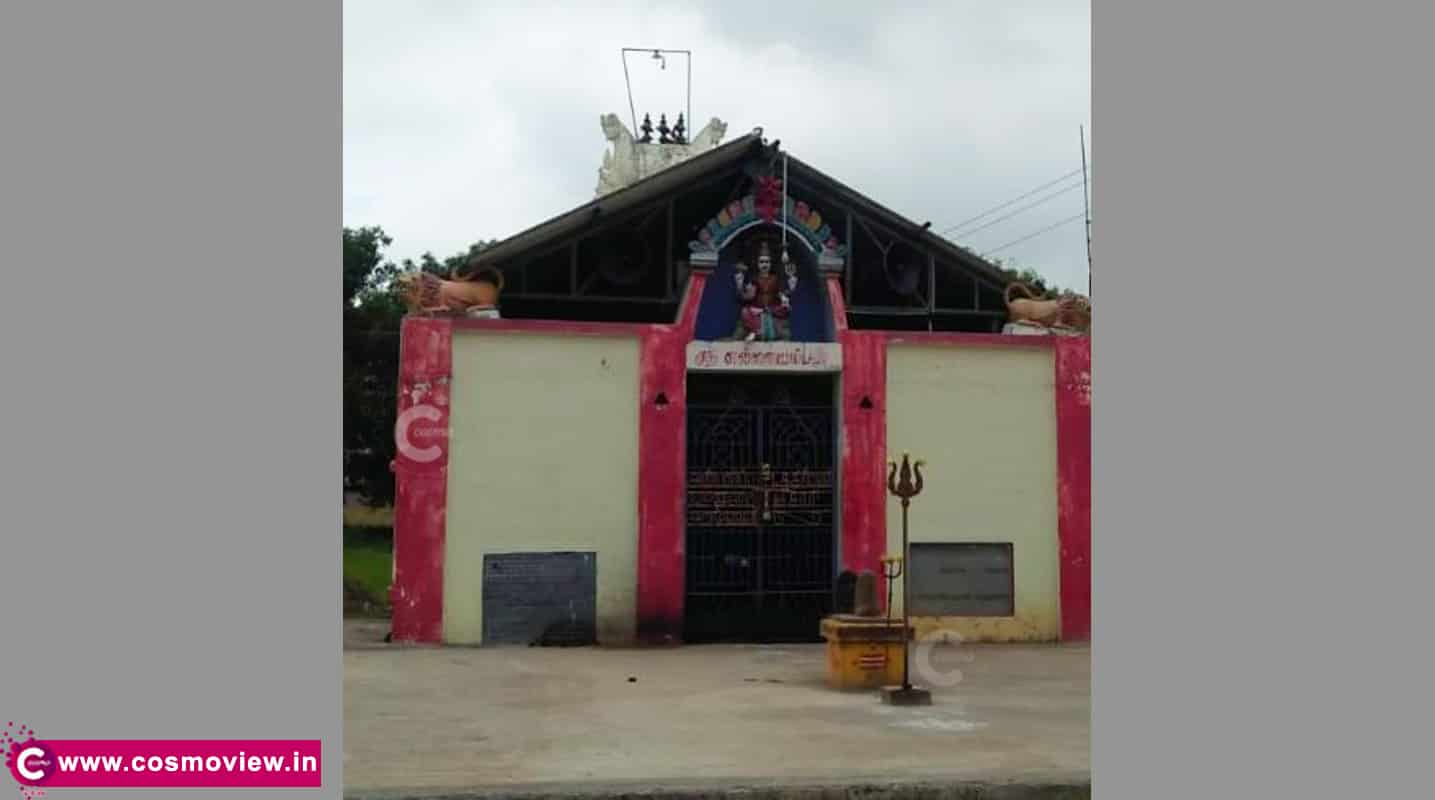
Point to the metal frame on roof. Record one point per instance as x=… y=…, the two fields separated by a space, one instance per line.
x=548 y=233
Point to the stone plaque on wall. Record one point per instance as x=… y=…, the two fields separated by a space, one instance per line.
x=539 y=598
x=962 y=579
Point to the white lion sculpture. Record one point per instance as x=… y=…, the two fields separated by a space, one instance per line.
x=629 y=161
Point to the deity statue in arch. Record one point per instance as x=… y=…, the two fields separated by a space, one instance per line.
x=765 y=299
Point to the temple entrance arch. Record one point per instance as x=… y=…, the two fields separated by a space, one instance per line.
x=734 y=244
x=763 y=369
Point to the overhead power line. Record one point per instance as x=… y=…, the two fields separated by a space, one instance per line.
x=1027 y=207
x=1008 y=203
x=1086 y=204
x=1048 y=228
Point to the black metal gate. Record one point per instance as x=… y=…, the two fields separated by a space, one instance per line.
x=760 y=507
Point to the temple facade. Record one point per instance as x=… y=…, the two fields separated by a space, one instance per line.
x=677 y=423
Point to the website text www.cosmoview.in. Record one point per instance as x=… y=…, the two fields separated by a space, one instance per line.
x=156 y=763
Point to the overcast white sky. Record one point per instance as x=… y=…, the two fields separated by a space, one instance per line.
x=475 y=120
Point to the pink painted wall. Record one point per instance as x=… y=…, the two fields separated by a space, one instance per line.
x=1073 y=457
x=421 y=480
x=662 y=470
x=864 y=441
x=864 y=450
x=417 y=593
x=421 y=485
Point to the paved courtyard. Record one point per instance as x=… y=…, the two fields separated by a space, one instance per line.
x=419 y=718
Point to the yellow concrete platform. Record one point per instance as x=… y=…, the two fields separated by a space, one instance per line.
x=862 y=652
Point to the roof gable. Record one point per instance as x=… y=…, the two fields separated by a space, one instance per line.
x=631 y=246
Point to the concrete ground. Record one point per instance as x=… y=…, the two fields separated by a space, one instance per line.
x=699 y=720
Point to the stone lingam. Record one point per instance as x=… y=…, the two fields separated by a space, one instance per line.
x=864 y=648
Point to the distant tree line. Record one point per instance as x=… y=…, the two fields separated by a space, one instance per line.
x=372 y=313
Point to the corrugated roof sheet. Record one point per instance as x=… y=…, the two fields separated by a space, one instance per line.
x=674 y=178
x=645 y=190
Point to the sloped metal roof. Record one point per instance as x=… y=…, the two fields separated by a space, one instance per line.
x=677 y=177
x=803 y=171
x=637 y=194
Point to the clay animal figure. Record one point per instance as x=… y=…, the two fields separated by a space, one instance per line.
x=424 y=292
x=1068 y=311
x=1077 y=314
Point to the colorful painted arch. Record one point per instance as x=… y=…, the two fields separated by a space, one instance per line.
x=739 y=215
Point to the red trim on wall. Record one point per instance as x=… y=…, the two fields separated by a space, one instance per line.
x=421 y=483
x=1073 y=461
x=551 y=326
x=971 y=339
x=864 y=451
x=662 y=468
x=421 y=479
x=864 y=442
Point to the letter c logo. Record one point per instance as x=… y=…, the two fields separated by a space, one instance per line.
x=35 y=763
x=422 y=455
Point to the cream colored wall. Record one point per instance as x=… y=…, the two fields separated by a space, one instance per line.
x=984 y=420
x=543 y=456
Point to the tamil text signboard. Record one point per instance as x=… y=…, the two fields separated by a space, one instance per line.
x=765 y=356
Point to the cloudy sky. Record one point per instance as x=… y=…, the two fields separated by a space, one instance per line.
x=468 y=120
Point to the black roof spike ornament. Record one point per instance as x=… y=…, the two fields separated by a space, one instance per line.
x=680 y=131
x=663 y=130
x=647 y=129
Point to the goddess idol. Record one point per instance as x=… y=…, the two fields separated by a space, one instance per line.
x=765 y=300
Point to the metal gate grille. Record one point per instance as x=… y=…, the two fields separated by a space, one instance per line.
x=760 y=518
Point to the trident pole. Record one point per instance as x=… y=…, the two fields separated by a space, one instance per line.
x=906 y=607
x=905 y=481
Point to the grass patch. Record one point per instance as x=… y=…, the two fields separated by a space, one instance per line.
x=365 y=517
x=368 y=568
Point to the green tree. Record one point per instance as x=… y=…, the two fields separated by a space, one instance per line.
x=371 y=324
x=1019 y=274
x=363 y=261
x=1016 y=273
x=373 y=311
x=455 y=266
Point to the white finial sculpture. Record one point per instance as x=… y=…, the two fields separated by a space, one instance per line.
x=629 y=160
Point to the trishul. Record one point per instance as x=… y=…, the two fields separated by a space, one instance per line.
x=900 y=483
x=899 y=480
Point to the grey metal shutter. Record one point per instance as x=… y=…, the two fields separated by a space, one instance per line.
x=540 y=598
x=962 y=579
